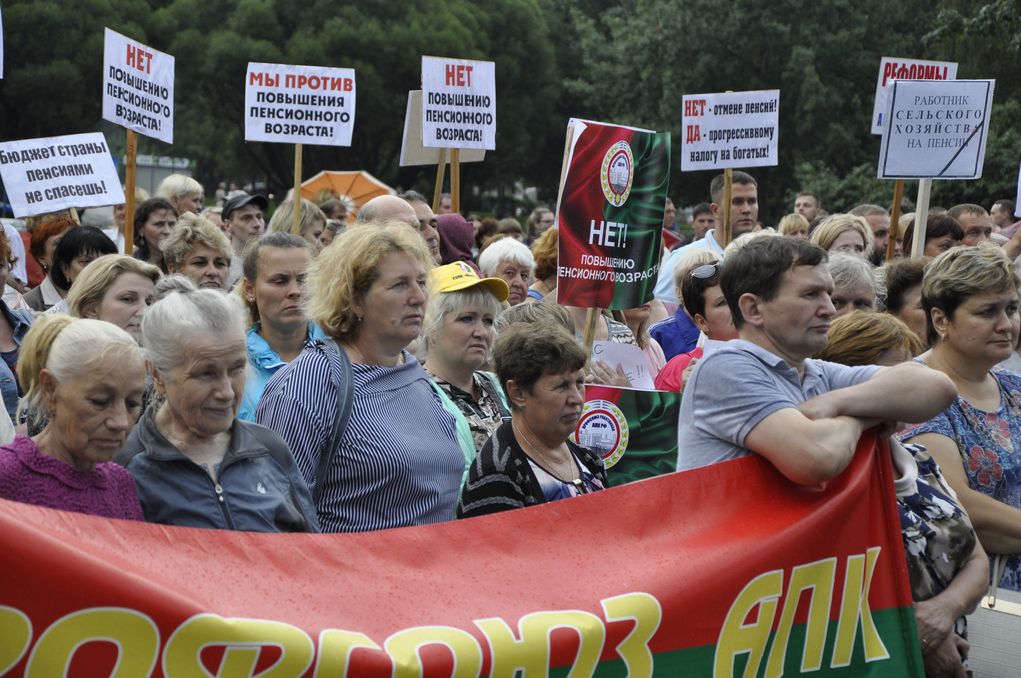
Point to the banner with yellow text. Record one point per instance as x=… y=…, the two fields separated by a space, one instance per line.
x=706 y=572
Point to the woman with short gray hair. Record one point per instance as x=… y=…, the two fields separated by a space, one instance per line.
x=194 y=463
x=513 y=262
x=854 y=285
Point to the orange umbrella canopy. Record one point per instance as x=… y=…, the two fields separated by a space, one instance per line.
x=354 y=187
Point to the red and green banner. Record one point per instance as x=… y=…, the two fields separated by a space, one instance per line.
x=725 y=571
x=610 y=215
x=635 y=432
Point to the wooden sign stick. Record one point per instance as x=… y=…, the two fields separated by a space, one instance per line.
x=296 y=200
x=441 y=171
x=455 y=181
x=728 y=189
x=898 y=195
x=129 y=192
x=921 y=215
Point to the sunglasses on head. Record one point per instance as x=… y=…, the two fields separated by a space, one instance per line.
x=705 y=271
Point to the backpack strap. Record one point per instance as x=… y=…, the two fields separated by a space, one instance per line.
x=345 y=385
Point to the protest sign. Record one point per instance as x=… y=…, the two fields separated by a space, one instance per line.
x=634 y=431
x=138 y=87
x=413 y=152
x=629 y=358
x=299 y=104
x=637 y=580
x=728 y=130
x=936 y=130
x=610 y=215
x=458 y=103
x=895 y=68
x=54 y=173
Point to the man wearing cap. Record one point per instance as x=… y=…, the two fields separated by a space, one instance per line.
x=242 y=220
x=458 y=335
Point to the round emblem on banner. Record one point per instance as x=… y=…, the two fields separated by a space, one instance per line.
x=603 y=429
x=617 y=173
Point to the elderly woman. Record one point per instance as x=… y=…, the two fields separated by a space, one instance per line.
x=539 y=221
x=184 y=193
x=198 y=250
x=379 y=444
x=544 y=251
x=311 y=223
x=947 y=566
x=941 y=233
x=86 y=377
x=114 y=288
x=530 y=459
x=194 y=463
x=154 y=219
x=78 y=247
x=274 y=291
x=844 y=233
x=458 y=335
x=854 y=286
x=970 y=295
x=902 y=279
x=512 y=261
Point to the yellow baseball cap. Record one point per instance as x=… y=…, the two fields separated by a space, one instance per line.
x=461 y=276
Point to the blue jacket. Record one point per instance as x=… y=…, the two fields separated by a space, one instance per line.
x=263 y=363
x=20 y=321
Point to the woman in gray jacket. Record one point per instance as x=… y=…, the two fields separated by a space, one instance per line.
x=194 y=463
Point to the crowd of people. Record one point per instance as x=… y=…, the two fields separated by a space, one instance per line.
x=360 y=368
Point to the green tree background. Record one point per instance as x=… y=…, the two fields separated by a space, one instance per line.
x=628 y=62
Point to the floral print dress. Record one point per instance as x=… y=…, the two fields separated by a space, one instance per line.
x=990 y=447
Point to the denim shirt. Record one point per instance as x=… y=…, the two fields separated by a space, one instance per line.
x=20 y=321
x=263 y=363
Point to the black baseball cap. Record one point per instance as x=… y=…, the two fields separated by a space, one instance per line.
x=240 y=200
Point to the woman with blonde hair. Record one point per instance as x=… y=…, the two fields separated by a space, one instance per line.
x=311 y=223
x=86 y=378
x=844 y=233
x=870 y=338
x=198 y=250
x=378 y=443
x=183 y=192
x=793 y=225
x=115 y=288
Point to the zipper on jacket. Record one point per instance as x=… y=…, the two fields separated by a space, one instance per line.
x=222 y=499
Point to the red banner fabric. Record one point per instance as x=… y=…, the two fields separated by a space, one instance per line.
x=694 y=573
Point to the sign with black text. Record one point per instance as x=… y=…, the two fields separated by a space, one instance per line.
x=727 y=130
x=894 y=68
x=299 y=104
x=610 y=214
x=936 y=129
x=54 y=173
x=458 y=103
x=138 y=87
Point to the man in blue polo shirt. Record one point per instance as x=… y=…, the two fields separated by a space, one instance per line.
x=764 y=394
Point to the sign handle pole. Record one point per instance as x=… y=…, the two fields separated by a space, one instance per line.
x=728 y=184
x=898 y=195
x=441 y=171
x=921 y=214
x=296 y=199
x=129 y=192
x=589 y=336
x=455 y=180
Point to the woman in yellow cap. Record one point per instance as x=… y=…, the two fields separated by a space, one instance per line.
x=458 y=334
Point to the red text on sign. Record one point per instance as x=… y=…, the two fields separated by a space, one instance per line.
x=459 y=75
x=139 y=58
x=694 y=108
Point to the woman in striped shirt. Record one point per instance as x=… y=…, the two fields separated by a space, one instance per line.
x=400 y=458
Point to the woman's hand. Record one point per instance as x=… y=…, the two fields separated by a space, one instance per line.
x=686 y=374
x=603 y=374
x=946 y=659
x=935 y=622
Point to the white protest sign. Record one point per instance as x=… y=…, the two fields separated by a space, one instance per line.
x=54 y=173
x=630 y=358
x=138 y=87
x=936 y=129
x=413 y=152
x=299 y=104
x=1017 y=200
x=894 y=68
x=735 y=129
x=458 y=103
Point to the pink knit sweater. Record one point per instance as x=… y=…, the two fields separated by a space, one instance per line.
x=29 y=476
